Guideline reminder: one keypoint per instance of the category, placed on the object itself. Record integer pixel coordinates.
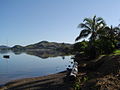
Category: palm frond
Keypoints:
(89, 20)
(82, 25)
(88, 24)
(94, 19)
(117, 28)
(84, 33)
(106, 28)
(100, 24)
(99, 19)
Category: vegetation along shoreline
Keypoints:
(98, 60)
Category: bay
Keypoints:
(25, 66)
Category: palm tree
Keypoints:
(112, 34)
(90, 27)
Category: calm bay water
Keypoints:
(25, 66)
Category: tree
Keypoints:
(80, 46)
(112, 34)
(91, 26)
(117, 32)
(107, 39)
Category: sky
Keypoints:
(24, 22)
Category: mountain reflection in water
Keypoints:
(42, 54)
(31, 64)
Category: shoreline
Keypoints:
(21, 78)
(40, 82)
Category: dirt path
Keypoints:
(50, 82)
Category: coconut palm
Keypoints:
(90, 26)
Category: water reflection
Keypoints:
(26, 64)
(4, 51)
(17, 52)
(41, 54)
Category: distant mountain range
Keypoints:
(4, 47)
(44, 46)
(42, 49)
(40, 46)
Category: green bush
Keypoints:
(80, 46)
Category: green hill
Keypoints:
(45, 48)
